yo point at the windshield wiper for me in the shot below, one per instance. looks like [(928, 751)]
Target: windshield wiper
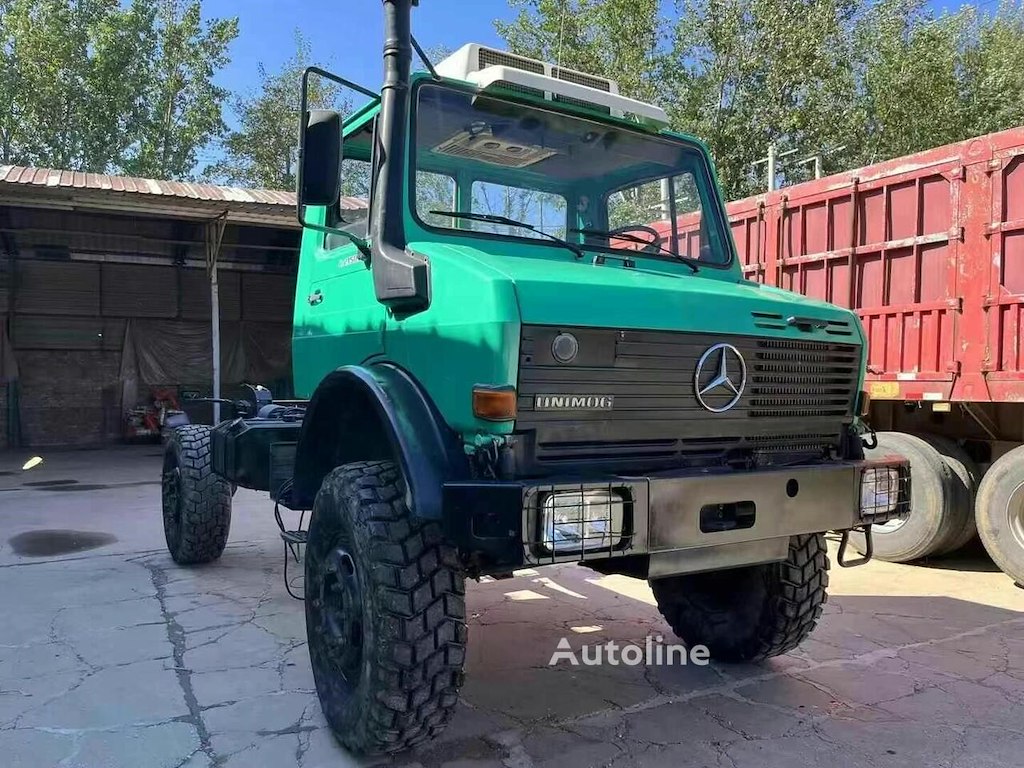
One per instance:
[(636, 239), (492, 218)]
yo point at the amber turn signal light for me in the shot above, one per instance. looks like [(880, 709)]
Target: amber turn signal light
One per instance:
[(494, 403)]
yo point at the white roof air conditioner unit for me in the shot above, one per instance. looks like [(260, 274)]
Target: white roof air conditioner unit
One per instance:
[(487, 67)]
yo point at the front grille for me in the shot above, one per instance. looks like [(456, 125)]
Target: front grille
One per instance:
[(571, 76), (798, 379), (799, 397), (488, 57)]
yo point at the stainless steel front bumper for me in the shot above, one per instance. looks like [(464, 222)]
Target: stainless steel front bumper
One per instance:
[(683, 522)]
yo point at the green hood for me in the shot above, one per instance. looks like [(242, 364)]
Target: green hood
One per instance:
[(553, 288)]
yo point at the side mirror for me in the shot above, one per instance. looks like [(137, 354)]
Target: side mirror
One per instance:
[(319, 181)]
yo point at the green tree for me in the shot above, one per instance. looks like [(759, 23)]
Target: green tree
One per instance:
[(70, 74), (263, 150), (183, 106), (858, 80), (101, 85), (742, 74), (993, 69), (612, 38)]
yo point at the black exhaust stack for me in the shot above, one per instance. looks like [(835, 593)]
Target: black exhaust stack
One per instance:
[(401, 278)]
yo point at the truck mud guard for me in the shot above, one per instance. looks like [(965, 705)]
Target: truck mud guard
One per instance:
[(360, 413)]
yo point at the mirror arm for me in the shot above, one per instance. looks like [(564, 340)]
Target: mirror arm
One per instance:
[(339, 80), (424, 58)]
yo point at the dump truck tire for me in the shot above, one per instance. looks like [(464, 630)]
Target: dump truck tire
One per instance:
[(1000, 513), (385, 612), (937, 511), (966, 476), (751, 613), (196, 501)]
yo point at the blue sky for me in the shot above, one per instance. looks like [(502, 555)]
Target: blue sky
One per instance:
[(346, 35)]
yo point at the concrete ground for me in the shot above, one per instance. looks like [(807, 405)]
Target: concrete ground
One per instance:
[(113, 656)]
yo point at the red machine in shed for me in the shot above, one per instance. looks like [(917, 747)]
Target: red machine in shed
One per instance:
[(929, 250)]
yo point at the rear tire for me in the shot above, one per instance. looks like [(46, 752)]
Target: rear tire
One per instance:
[(937, 511), (385, 612), (1000, 513), (752, 613), (966, 478), (196, 501)]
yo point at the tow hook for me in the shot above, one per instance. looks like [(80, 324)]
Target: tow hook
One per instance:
[(870, 442), (868, 548)]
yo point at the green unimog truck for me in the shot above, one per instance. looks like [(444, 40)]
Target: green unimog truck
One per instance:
[(514, 358)]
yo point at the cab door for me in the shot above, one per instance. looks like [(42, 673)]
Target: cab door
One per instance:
[(338, 320)]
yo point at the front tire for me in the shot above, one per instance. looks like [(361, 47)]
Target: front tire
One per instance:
[(1000, 513), (752, 613), (385, 612), (196, 501)]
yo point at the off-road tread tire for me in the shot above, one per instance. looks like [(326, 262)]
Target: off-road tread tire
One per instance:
[(750, 614), (966, 475), (205, 498), (937, 515), (999, 488), (413, 594)]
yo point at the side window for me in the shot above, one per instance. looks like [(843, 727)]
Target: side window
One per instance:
[(434, 192), (544, 210), (355, 178), (352, 214), (355, 183)]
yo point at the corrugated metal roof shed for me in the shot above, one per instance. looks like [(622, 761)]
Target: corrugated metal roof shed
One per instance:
[(20, 185)]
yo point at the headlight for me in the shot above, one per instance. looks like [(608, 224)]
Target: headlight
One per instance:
[(879, 490), (574, 521)]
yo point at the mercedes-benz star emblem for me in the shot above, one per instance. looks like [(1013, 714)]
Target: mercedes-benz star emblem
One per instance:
[(720, 378)]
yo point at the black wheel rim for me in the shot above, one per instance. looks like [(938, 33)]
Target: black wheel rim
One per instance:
[(171, 487), (341, 613)]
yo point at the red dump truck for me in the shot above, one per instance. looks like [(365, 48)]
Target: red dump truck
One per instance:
[(929, 250)]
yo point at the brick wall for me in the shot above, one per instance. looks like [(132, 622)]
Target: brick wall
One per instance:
[(69, 398), (68, 316)]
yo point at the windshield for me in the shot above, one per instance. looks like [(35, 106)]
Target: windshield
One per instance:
[(605, 187)]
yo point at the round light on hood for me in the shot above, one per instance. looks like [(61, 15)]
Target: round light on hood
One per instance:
[(565, 347)]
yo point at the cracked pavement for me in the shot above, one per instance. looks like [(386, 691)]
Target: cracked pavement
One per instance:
[(114, 656)]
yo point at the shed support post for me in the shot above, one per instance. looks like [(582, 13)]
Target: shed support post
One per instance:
[(214, 235)]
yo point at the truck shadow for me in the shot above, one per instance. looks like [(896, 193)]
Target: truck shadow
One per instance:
[(971, 557)]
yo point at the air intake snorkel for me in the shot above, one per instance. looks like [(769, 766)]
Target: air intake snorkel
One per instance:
[(401, 278)]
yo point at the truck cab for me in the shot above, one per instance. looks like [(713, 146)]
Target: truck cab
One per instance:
[(568, 326), (536, 346)]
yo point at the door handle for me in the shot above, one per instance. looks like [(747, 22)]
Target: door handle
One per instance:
[(315, 298)]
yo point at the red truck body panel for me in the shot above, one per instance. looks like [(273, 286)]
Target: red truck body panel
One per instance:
[(929, 251)]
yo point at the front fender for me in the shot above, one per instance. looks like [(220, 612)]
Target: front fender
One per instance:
[(374, 412)]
